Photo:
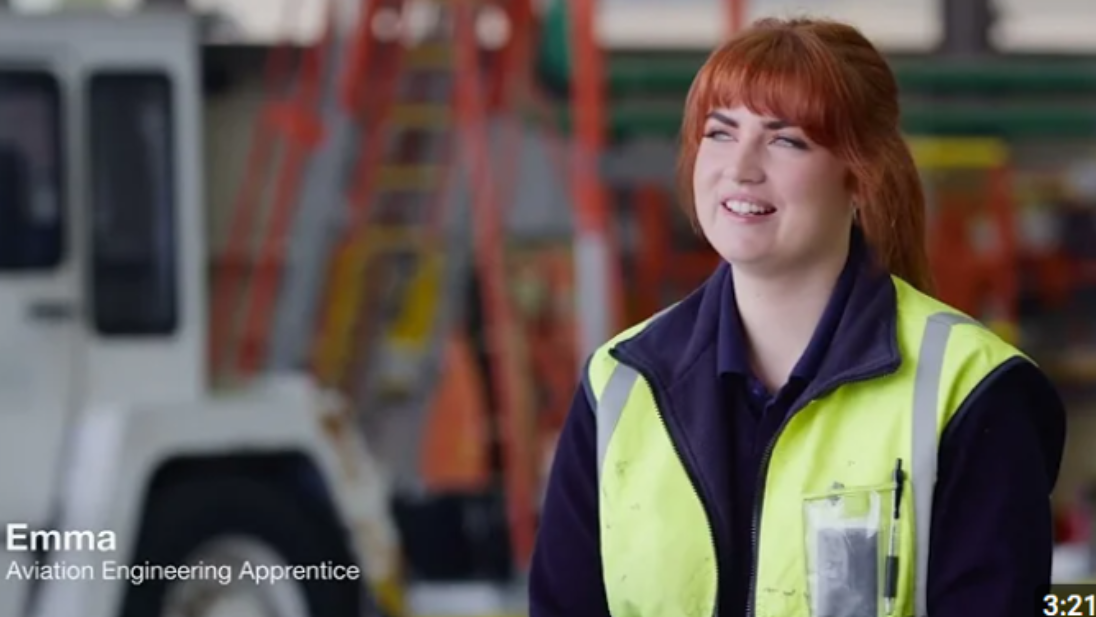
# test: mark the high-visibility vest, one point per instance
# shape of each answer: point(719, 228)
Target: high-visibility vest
point(824, 524)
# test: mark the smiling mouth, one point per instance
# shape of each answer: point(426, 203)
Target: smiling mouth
point(745, 208)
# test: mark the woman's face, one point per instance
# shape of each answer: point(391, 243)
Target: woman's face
point(766, 197)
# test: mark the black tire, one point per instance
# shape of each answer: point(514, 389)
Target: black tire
point(183, 517)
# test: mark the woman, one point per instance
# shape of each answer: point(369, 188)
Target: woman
point(809, 433)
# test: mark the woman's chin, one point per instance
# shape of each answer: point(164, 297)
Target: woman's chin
point(740, 249)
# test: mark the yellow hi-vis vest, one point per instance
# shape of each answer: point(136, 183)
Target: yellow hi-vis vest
point(824, 525)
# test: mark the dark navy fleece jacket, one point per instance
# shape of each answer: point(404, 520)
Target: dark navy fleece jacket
point(992, 538)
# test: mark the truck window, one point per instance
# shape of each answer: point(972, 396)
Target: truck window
point(132, 173)
point(32, 203)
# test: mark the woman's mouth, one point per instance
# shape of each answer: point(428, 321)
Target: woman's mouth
point(748, 208)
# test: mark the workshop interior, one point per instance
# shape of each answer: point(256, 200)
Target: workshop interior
point(313, 281)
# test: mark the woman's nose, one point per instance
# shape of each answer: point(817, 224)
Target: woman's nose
point(745, 165)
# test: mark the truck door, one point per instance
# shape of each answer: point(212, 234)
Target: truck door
point(133, 330)
point(40, 324)
point(140, 89)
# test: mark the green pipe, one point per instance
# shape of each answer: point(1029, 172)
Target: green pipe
point(1046, 122)
point(646, 76)
point(657, 73)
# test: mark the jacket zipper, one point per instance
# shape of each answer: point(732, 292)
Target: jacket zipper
point(763, 472)
point(660, 403)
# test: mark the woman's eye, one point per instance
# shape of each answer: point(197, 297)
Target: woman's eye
point(793, 142)
point(717, 134)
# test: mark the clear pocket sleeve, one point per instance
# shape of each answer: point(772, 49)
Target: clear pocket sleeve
point(846, 542)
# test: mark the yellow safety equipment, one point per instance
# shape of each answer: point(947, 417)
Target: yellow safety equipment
point(828, 481)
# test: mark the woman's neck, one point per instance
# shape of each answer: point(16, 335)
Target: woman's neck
point(779, 315)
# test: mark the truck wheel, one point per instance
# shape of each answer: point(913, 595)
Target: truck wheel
point(224, 524)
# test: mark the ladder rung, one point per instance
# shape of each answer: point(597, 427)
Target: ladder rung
point(420, 115)
point(385, 238)
point(334, 343)
point(429, 56)
point(415, 322)
point(408, 177)
point(334, 346)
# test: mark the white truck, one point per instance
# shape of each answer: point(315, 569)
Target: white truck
point(114, 448)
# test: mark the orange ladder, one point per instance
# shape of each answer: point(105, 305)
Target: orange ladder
point(346, 345)
point(393, 205)
point(363, 73)
point(489, 229)
point(247, 273)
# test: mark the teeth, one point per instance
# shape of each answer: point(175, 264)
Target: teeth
point(744, 207)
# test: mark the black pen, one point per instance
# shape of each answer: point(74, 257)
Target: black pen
point(890, 580)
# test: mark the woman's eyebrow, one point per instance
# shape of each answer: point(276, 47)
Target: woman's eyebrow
point(772, 125)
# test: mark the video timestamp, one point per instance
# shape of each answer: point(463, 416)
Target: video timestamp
point(1068, 600)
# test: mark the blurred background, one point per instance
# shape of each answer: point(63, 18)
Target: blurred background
point(357, 250)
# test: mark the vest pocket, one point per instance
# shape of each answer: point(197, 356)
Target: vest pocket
point(846, 543)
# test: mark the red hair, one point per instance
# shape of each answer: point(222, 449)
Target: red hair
point(828, 79)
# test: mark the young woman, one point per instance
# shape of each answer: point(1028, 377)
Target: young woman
point(809, 433)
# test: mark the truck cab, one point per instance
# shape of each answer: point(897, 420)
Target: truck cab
point(108, 425)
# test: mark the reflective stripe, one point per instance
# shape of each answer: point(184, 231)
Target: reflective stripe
point(607, 411)
point(926, 396)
